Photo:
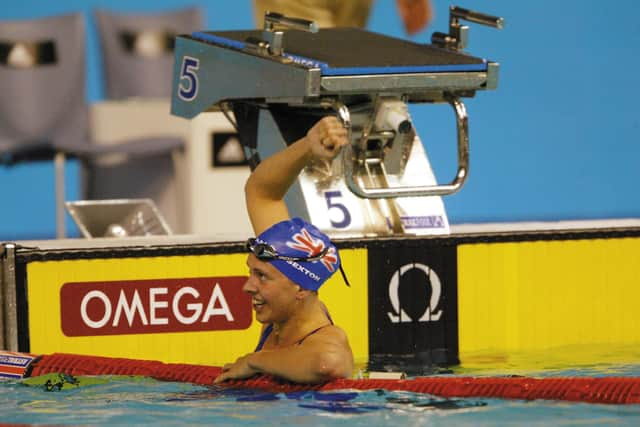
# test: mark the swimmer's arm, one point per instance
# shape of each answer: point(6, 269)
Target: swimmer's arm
point(322, 357)
point(318, 359)
point(268, 183)
point(266, 187)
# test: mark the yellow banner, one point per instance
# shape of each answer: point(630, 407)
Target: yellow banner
point(98, 299)
point(539, 295)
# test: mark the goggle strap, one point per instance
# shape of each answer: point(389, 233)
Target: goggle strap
point(251, 244)
point(344, 276)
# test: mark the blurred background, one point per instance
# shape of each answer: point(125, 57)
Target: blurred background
point(557, 140)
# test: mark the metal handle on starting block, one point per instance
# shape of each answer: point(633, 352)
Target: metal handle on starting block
point(274, 38)
point(272, 18)
point(456, 13)
point(418, 191)
point(458, 36)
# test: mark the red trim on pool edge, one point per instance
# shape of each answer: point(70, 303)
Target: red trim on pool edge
point(612, 390)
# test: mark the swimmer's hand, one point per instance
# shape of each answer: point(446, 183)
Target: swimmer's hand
point(238, 370)
point(326, 138)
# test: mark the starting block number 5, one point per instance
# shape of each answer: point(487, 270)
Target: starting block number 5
point(188, 87)
point(331, 197)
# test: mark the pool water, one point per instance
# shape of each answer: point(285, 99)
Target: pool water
point(141, 401)
point(55, 399)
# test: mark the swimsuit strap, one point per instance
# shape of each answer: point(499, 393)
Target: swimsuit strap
point(263, 338)
point(267, 331)
point(328, 315)
point(313, 332)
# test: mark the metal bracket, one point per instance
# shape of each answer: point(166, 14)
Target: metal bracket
point(9, 305)
point(274, 39)
point(417, 191)
point(458, 37)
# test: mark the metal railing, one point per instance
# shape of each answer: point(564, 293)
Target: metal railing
point(8, 299)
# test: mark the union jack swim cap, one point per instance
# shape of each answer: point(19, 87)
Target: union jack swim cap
point(294, 241)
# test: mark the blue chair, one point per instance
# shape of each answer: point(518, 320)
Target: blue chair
point(137, 50)
point(137, 58)
point(43, 112)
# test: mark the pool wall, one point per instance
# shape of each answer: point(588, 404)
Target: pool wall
point(490, 288)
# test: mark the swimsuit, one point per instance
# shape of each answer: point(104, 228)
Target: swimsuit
point(267, 331)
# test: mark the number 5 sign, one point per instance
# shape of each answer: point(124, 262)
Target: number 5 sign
point(188, 87)
point(339, 215)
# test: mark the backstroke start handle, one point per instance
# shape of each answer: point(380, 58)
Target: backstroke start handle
point(462, 126)
point(456, 13)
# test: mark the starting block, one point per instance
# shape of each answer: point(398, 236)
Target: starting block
point(273, 84)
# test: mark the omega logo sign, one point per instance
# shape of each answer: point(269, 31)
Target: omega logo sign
point(154, 306)
point(430, 276)
point(217, 306)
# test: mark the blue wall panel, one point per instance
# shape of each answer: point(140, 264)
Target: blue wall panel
point(557, 140)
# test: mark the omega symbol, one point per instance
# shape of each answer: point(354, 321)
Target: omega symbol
point(398, 314)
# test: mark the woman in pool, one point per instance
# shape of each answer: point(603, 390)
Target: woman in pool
point(288, 261)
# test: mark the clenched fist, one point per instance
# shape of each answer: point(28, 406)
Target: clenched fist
point(326, 137)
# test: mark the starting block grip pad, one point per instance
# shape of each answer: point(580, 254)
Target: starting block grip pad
point(351, 51)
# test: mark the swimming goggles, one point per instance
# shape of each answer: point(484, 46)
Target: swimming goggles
point(266, 252)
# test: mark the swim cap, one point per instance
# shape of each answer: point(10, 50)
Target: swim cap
point(294, 241)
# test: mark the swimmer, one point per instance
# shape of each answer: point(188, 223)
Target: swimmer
point(288, 262)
